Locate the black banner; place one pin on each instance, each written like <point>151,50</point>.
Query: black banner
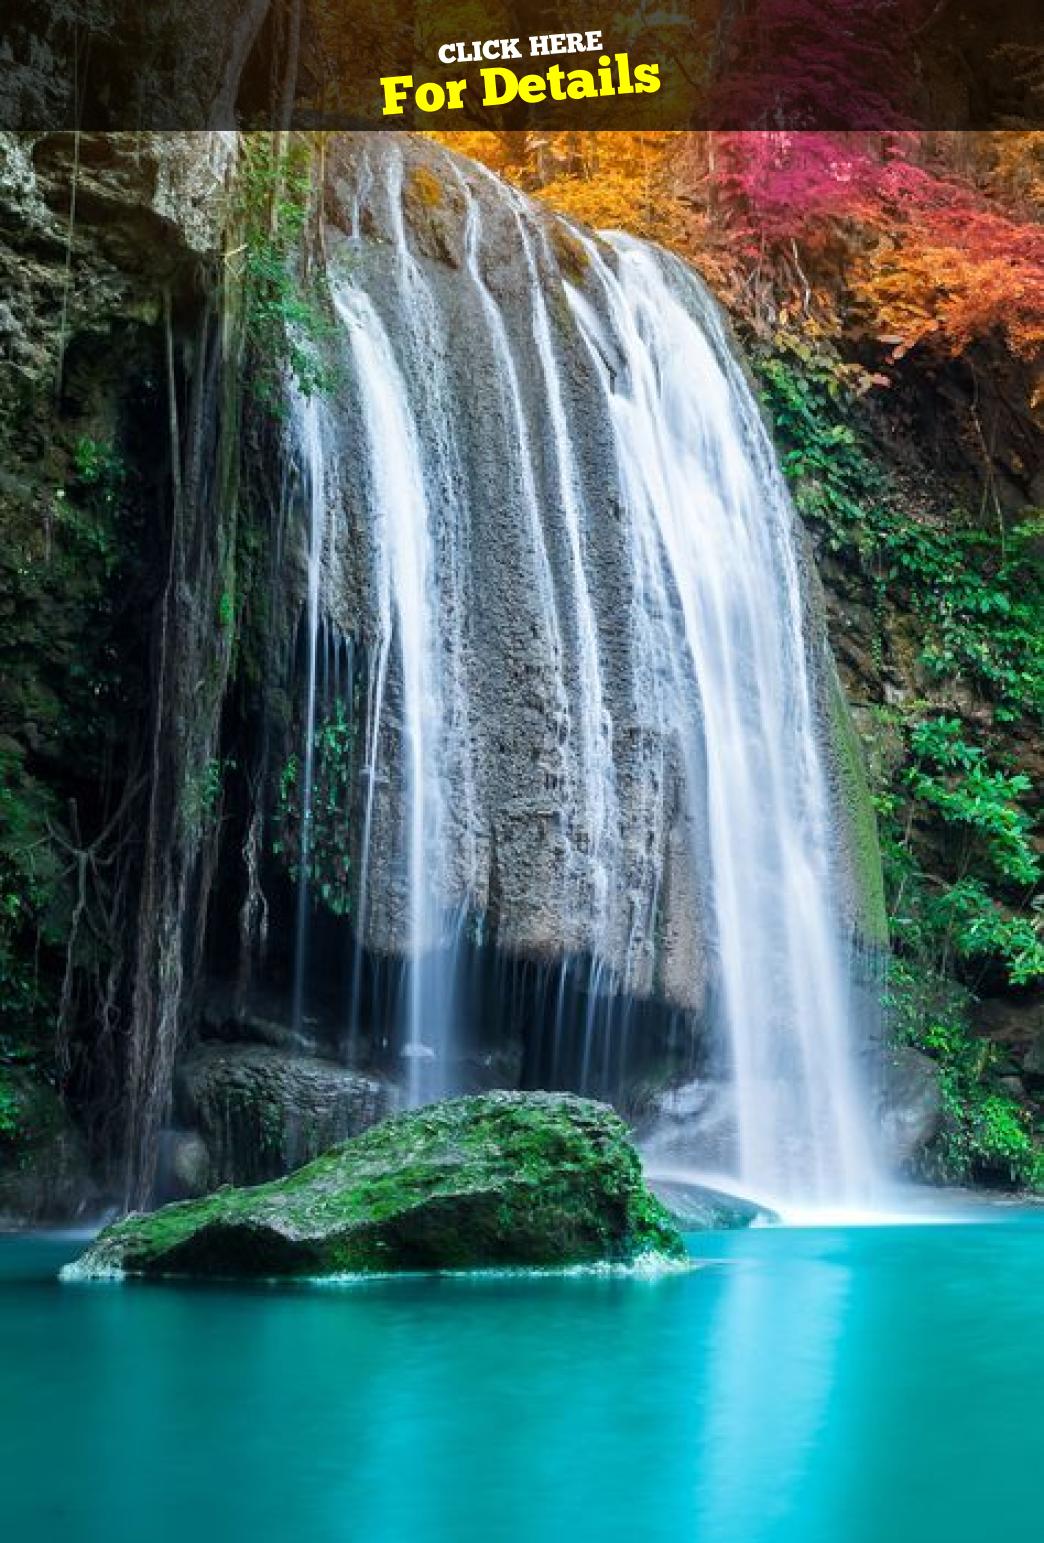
<point>524,64</point>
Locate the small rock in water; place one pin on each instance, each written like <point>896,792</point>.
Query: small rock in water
<point>498,1181</point>
<point>699,1208</point>
<point>416,1051</point>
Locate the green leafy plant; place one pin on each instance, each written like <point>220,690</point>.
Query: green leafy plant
<point>987,1135</point>
<point>328,845</point>
<point>956,779</point>
<point>285,322</point>
<point>10,1110</point>
<point>979,607</point>
<point>979,910</point>
<point>99,465</point>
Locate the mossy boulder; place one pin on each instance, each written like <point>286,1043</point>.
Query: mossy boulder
<point>505,1179</point>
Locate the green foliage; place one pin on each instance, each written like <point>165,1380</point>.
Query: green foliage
<point>288,782</point>
<point>979,928</point>
<point>99,466</point>
<point>985,612</point>
<point>10,1110</point>
<point>330,828</point>
<point>979,608</point>
<point>87,511</point>
<point>986,1134</point>
<point>964,917</point>
<point>284,319</point>
<point>808,393</point>
<point>202,793</point>
<point>30,1110</point>
<point>956,779</point>
<point>30,902</point>
<point>998,1139</point>
<point>67,692</point>
<point>979,601</point>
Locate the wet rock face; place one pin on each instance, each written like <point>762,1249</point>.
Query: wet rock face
<point>149,208</point>
<point>260,1112</point>
<point>691,1127</point>
<point>107,248</point>
<point>183,1168</point>
<point>911,1107</point>
<point>521,845</point>
<point>44,1172</point>
<point>507,1179</point>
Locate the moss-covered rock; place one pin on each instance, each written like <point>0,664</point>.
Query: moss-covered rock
<point>506,1179</point>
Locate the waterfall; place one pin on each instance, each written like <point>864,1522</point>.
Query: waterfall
<point>313,456</point>
<point>598,806</point>
<point>403,526</point>
<point>714,525</point>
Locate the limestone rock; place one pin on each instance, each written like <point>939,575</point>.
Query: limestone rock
<point>262,1112</point>
<point>911,1105</point>
<point>1033,1065</point>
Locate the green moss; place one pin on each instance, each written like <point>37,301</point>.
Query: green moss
<point>504,1179</point>
<point>862,843</point>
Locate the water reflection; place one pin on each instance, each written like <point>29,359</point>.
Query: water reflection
<point>773,1359</point>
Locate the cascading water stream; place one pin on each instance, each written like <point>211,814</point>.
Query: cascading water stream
<point>595,694</point>
<point>403,531</point>
<point>713,516</point>
<point>591,784</point>
<point>313,456</point>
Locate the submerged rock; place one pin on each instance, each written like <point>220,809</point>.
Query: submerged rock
<point>506,1179</point>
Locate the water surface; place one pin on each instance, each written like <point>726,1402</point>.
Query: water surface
<point>804,1386</point>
